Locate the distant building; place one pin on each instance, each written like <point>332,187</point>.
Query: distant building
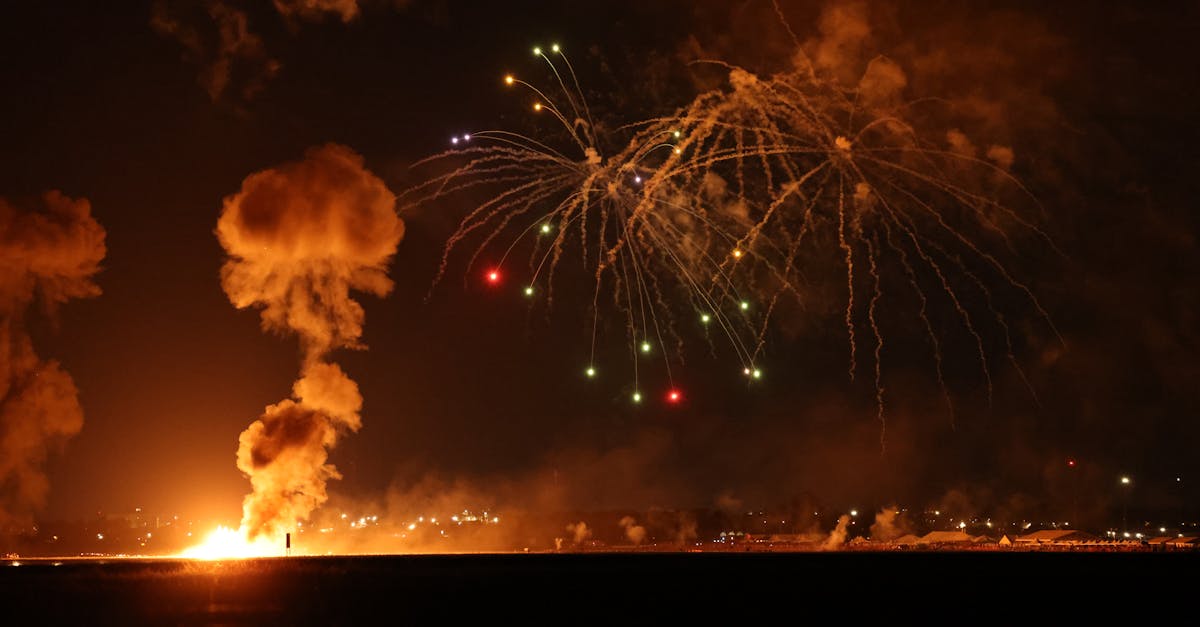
<point>949,537</point>
<point>1057,537</point>
<point>1186,542</point>
<point>1005,540</point>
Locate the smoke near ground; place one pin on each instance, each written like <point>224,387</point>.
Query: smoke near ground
<point>48,256</point>
<point>839,535</point>
<point>633,531</point>
<point>888,525</point>
<point>580,532</point>
<point>299,238</point>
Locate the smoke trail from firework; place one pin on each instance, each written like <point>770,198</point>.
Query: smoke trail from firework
<point>47,254</point>
<point>300,237</point>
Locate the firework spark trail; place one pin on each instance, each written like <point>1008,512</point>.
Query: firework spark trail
<point>923,314</point>
<point>886,187</point>
<point>1003,324</point>
<point>720,199</point>
<point>641,224</point>
<point>876,294</point>
<point>842,243</point>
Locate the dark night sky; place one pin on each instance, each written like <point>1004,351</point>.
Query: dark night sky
<point>1099,105</point>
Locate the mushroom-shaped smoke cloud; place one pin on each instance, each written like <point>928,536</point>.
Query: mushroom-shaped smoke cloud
<point>300,237</point>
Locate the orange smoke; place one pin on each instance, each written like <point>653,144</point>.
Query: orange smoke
<point>48,254</point>
<point>220,41</point>
<point>316,10</point>
<point>300,237</point>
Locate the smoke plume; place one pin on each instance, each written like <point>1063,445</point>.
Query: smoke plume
<point>221,42</point>
<point>49,255</point>
<point>580,532</point>
<point>837,537</point>
<point>633,531</point>
<point>316,10</point>
<point>888,525</point>
<point>300,237</point>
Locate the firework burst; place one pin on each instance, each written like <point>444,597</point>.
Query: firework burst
<point>819,165</point>
<point>714,212</point>
<point>629,221</point>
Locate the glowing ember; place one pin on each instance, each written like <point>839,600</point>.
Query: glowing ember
<point>228,543</point>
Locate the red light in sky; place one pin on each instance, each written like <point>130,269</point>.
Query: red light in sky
<point>1071,463</point>
<point>674,396</point>
<point>493,276</point>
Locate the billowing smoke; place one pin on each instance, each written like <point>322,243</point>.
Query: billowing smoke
<point>633,531</point>
<point>580,532</point>
<point>221,42</point>
<point>845,32</point>
<point>300,237</point>
<point>837,537</point>
<point>47,254</point>
<point>316,10</point>
<point>888,525</point>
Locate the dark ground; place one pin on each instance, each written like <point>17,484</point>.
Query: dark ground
<point>932,588</point>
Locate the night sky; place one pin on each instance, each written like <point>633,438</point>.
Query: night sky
<point>466,388</point>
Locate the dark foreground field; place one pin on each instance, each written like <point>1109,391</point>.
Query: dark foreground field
<point>588,588</point>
